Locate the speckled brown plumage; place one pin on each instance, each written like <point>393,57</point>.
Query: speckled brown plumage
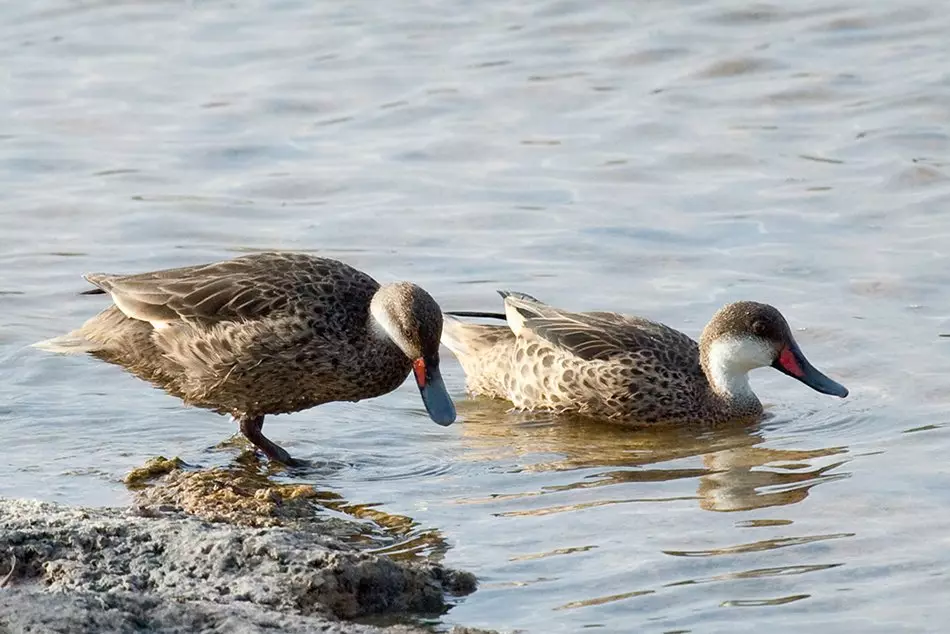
<point>607,365</point>
<point>268,333</point>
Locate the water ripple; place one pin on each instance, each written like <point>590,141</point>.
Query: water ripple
<point>752,547</point>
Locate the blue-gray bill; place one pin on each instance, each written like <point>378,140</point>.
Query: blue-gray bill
<point>792,361</point>
<point>434,395</point>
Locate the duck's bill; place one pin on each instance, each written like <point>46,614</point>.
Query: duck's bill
<point>434,395</point>
<point>792,362</point>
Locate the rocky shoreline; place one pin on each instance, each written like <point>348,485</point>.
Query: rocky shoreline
<point>204,551</point>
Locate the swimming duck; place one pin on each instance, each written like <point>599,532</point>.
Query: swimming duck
<point>269,333</point>
<point>626,368</point>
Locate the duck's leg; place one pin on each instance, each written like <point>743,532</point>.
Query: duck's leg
<point>251,428</point>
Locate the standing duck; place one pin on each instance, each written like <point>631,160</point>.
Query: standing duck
<point>625,368</point>
<point>269,333</point>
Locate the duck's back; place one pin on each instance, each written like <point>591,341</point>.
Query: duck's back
<point>254,287</point>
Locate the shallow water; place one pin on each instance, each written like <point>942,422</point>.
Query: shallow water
<point>658,158</point>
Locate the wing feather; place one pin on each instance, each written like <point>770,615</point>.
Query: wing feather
<point>598,335</point>
<point>244,288</point>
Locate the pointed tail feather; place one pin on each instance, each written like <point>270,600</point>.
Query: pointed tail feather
<point>475,313</point>
<point>521,296</point>
<point>70,343</point>
<point>515,295</point>
<point>453,335</point>
<point>467,340</point>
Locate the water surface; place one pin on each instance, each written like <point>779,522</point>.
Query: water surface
<point>657,158</point>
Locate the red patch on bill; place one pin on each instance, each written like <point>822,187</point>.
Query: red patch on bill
<point>419,369</point>
<point>790,363</point>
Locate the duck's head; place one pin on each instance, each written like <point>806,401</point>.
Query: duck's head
<point>408,315</point>
<point>746,335</point>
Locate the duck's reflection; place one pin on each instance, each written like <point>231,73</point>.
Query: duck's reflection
<point>735,473</point>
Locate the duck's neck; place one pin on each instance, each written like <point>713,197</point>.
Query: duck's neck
<point>727,370</point>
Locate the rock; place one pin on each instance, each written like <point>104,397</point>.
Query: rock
<point>32,610</point>
<point>158,569</point>
<point>157,466</point>
<point>234,495</point>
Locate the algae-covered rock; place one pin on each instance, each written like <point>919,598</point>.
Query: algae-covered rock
<point>155,467</point>
<point>232,495</point>
<point>243,495</point>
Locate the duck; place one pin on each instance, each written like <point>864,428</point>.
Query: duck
<point>267,333</point>
<point>624,368</point>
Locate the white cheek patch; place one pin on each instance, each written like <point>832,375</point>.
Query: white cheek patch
<point>731,359</point>
<point>381,323</point>
<point>385,328</point>
<point>744,354</point>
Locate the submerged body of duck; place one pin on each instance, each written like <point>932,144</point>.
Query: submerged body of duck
<point>625,368</point>
<point>268,333</point>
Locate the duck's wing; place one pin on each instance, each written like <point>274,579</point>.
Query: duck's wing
<point>244,288</point>
<point>598,335</point>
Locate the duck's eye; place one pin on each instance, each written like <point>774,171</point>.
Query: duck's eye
<point>759,327</point>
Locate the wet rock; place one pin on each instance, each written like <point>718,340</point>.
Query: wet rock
<point>32,610</point>
<point>244,495</point>
<point>157,568</point>
<point>232,495</point>
<point>160,465</point>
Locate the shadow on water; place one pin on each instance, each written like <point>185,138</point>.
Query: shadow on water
<point>736,472</point>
